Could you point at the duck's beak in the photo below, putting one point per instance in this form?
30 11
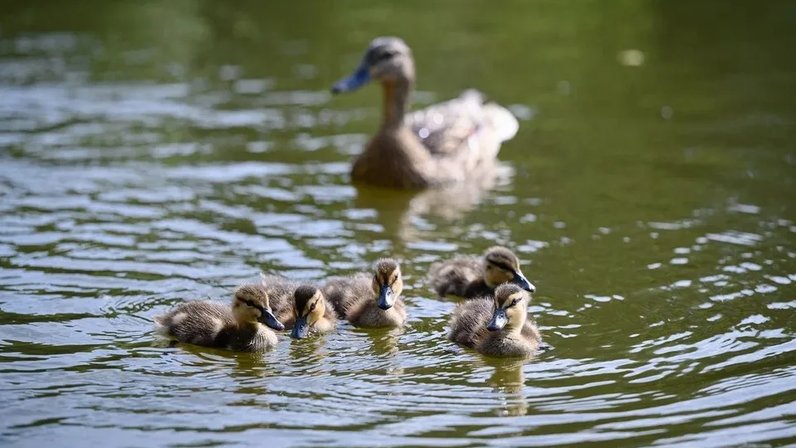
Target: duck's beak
267 317
353 82
523 282
498 321
300 328
386 298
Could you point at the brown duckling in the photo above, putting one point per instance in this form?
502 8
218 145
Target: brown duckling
497 326
302 308
311 313
370 301
469 277
212 324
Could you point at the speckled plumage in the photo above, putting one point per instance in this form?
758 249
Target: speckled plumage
280 294
452 277
442 144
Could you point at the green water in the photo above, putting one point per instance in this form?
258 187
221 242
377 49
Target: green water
153 152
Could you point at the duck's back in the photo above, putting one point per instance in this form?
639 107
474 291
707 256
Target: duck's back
469 321
280 297
344 292
455 275
465 127
198 322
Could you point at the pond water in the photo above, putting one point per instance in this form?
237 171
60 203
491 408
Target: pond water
155 152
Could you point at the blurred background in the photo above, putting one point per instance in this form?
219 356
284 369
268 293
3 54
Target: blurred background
152 152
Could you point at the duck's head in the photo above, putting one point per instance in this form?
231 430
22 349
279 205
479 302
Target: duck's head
511 305
502 266
387 282
310 307
250 304
387 59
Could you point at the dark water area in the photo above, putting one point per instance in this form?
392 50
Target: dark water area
155 152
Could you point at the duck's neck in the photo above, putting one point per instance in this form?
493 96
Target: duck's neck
516 327
396 102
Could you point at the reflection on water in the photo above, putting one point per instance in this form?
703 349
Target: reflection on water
402 213
160 152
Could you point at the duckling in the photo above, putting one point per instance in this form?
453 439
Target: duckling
497 326
311 313
212 324
468 277
447 143
367 301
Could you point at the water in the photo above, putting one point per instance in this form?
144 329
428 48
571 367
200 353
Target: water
157 152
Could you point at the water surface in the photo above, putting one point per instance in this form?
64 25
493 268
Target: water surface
156 152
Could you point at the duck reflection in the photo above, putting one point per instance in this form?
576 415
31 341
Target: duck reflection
310 351
398 210
509 379
385 342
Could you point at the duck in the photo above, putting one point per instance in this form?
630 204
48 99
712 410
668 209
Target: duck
246 326
301 308
497 326
369 300
446 143
469 277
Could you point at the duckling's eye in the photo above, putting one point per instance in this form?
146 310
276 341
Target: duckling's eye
514 302
312 307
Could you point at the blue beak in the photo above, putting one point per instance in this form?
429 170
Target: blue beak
523 282
498 321
267 317
300 328
386 298
353 82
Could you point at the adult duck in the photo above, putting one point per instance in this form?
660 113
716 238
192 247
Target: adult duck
443 144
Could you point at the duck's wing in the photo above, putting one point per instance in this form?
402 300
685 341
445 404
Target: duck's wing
469 320
458 124
454 275
280 296
343 293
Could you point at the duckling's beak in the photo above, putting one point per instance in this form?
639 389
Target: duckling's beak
300 328
353 82
386 298
267 317
523 282
498 321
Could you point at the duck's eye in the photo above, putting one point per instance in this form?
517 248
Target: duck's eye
385 55
514 302
312 307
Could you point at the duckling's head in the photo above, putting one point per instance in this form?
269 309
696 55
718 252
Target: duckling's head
310 307
387 282
502 266
511 305
387 59
250 304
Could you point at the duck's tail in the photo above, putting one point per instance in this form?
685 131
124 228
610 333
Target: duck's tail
160 325
503 121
